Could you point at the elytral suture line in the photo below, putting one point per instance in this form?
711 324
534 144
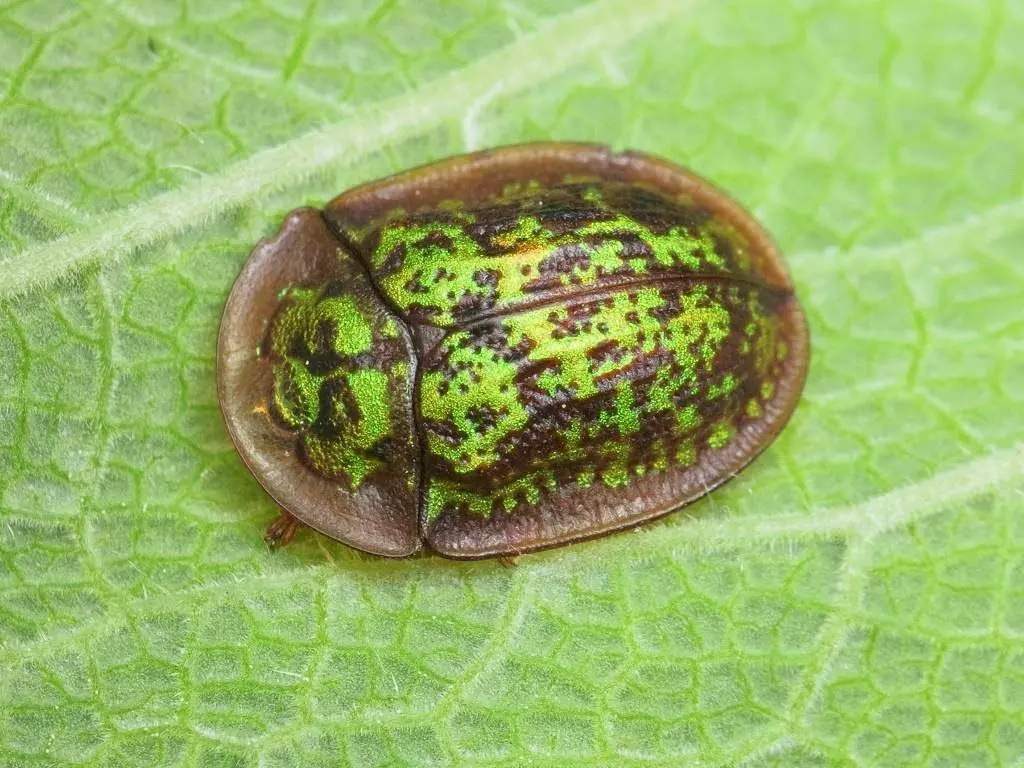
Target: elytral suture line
529 61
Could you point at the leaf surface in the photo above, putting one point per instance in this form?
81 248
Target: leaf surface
853 598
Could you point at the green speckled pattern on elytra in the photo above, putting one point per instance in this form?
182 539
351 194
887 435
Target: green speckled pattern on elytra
449 264
598 389
594 332
330 386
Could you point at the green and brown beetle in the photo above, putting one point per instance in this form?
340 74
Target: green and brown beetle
507 351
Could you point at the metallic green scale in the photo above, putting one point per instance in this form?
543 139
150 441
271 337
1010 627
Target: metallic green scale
341 408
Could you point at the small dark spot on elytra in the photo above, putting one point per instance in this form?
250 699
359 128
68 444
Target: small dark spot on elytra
415 283
333 289
483 417
565 260
421 314
607 351
383 449
471 303
486 278
394 260
437 239
493 337
337 406
363 360
445 430
724 248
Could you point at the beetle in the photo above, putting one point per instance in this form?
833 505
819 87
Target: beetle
508 350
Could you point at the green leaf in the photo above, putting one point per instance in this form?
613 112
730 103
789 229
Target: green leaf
854 598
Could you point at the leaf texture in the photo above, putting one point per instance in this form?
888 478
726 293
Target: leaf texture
852 599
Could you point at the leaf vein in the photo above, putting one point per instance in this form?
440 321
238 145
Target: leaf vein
878 515
521 65
983 226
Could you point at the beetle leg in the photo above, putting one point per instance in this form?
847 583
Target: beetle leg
281 530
